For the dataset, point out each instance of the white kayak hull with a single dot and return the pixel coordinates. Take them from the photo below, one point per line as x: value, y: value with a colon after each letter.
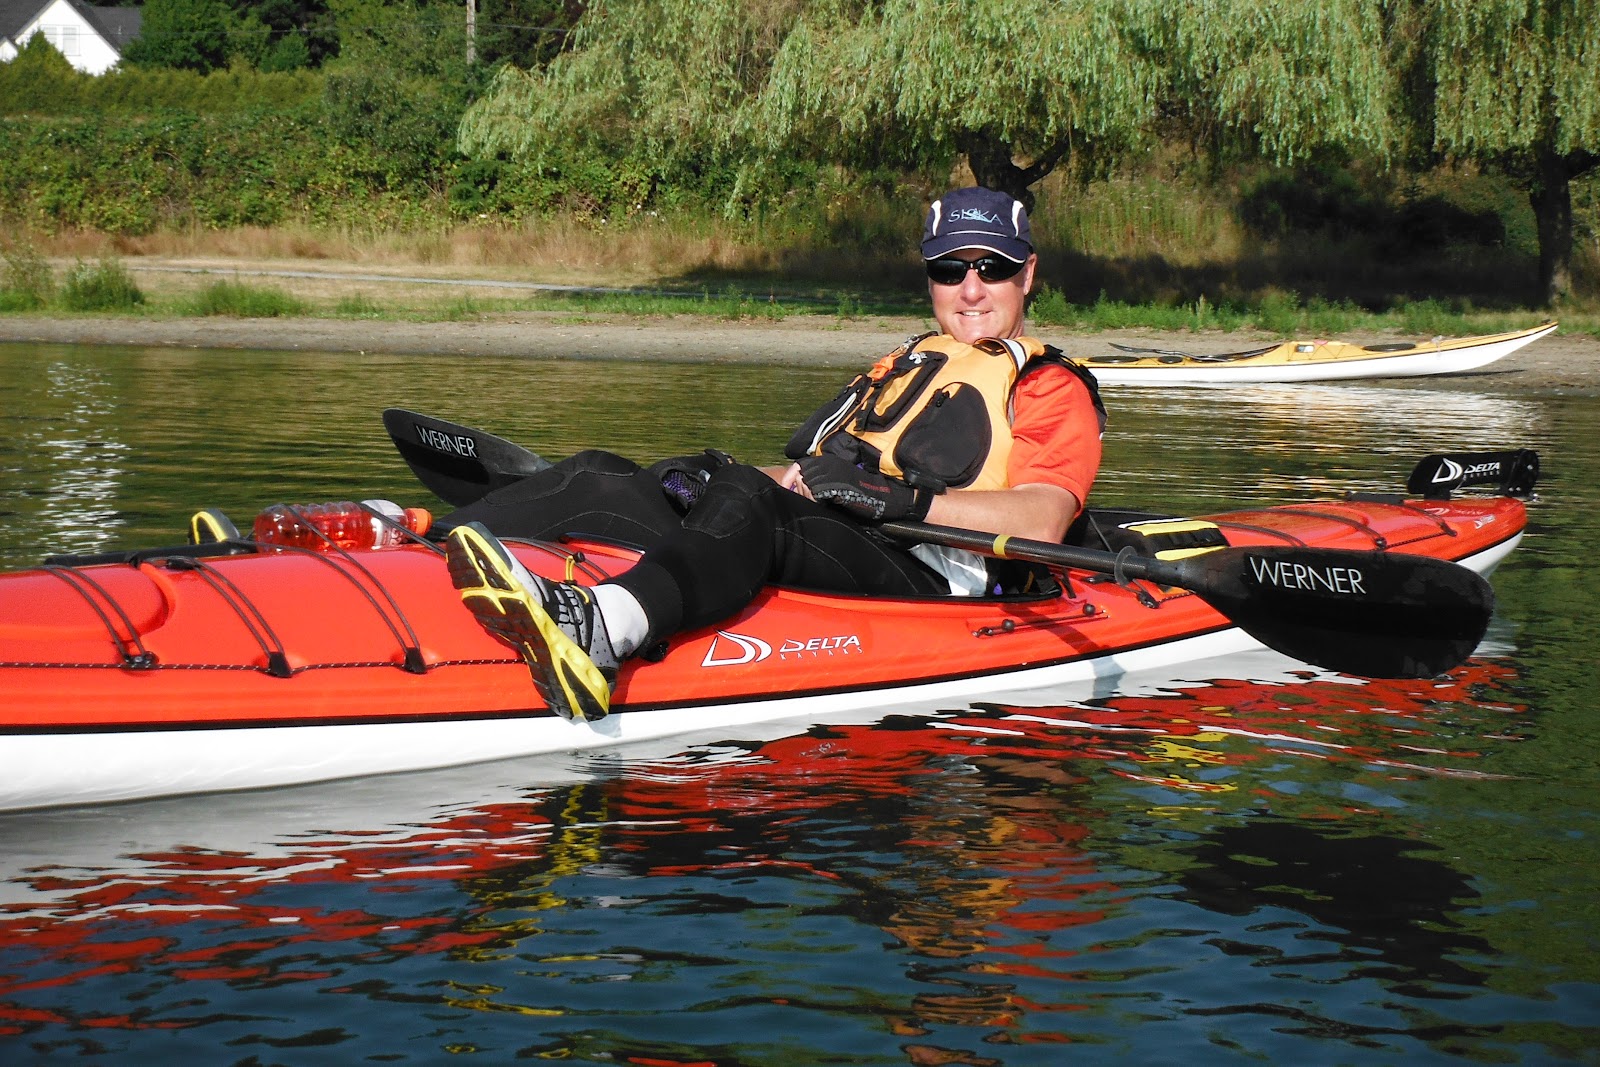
x: 1309, y: 361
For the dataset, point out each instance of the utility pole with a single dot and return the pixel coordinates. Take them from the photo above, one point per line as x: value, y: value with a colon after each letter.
x: 472, y: 32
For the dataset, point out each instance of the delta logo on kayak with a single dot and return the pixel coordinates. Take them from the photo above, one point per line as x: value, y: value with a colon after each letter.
x: 1451, y: 471
x: 729, y: 649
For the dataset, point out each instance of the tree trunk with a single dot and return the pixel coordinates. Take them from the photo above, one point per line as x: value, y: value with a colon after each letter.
x: 994, y: 167
x: 1551, y: 198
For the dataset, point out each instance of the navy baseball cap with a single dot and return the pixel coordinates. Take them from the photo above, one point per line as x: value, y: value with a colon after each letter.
x: 977, y: 218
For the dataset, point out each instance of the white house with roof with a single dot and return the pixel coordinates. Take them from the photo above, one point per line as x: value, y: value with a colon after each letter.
x: 92, y: 38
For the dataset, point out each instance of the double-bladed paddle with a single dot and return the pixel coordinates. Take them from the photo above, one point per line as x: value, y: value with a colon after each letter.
x: 1376, y: 614
x: 457, y: 463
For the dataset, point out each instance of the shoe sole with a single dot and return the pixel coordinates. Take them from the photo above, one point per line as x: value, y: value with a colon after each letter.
x: 210, y: 526
x: 563, y: 673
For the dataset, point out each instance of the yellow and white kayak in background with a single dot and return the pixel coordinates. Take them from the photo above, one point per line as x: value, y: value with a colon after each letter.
x: 1307, y: 361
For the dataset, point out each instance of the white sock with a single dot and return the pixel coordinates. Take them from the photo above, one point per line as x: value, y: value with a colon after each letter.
x: 624, y: 617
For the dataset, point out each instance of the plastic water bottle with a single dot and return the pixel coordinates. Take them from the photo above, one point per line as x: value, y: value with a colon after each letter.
x: 346, y: 524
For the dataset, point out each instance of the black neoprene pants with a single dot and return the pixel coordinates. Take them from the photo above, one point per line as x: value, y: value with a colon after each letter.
x: 744, y: 532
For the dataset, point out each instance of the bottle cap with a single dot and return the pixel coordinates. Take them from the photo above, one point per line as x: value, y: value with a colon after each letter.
x: 387, y: 508
x: 418, y: 520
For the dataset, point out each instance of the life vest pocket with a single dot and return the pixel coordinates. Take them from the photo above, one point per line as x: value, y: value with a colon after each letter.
x: 807, y: 440
x: 948, y: 440
x: 891, y: 396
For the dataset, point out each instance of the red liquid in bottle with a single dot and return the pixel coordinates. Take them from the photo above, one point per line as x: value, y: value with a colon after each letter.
x: 343, y: 523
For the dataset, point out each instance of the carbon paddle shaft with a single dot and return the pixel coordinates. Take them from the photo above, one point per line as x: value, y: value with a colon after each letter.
x: 1374, y: 614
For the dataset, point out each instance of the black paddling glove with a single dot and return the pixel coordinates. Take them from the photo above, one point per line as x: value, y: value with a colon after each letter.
x: 866, y: 495
x: 684, y: 478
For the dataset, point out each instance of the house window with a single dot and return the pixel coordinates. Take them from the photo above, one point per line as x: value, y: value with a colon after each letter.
x: 64, y: 38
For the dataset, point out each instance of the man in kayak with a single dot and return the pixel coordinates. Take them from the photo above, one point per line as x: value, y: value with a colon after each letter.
x: 978, y: 427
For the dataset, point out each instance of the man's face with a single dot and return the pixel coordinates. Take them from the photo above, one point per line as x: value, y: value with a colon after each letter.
x: 974, y: 309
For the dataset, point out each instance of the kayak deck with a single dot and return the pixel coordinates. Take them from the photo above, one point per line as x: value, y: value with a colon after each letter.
x: 298, y: 636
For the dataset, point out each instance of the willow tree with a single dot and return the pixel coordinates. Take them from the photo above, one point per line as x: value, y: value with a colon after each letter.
x: 1509, y: 85
x: 664, y: 81
x: 1515, y: 85
x: 1283, y: 80
x: 1016, y: 86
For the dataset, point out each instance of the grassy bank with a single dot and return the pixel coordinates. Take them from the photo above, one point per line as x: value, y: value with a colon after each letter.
x: 1162, y: 248
x: 110, y: 286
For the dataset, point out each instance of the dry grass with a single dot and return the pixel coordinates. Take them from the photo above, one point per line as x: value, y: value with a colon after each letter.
x: 1149, y: 238
x: 645, y: 250
x: 563, y: 250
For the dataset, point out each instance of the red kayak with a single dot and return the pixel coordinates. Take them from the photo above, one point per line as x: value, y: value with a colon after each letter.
x: 236, y: 665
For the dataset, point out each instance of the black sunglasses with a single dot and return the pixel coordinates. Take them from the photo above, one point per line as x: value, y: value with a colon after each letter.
x: 951, y: 270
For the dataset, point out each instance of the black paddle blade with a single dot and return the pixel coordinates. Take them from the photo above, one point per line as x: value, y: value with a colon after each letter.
x: 1374, y: 614
x: 457, y: 463
x: 1513, y: 473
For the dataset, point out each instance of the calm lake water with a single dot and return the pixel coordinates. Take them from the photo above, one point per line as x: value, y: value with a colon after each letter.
x: 1253, y: 863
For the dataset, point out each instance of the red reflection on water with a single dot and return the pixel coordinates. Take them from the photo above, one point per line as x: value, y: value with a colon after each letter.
x: 987, y: 862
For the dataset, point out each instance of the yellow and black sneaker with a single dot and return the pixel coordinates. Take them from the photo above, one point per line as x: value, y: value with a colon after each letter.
x: 553, y: 625
x: 209, y: 526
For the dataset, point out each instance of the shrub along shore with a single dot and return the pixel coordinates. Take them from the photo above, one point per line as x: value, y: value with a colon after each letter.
x: 161, y: 290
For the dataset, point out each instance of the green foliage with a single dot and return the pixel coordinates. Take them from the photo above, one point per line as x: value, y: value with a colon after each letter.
x: 358, y: 306
x: 1276, y: 313
x: 185, y: 34
x: 645, y: 78
x: 1512, y: 76
x: 1049, y: 307
x: 1428, y: 318
x: 102, y: 286
x: 1139, y: 210
x: 462, y: 307
x: 1513, y: 84
x: 245, y: 301
x: 915, y: 81
x: 206, y: 35
x: 287, y: 53
x: 815, y: 126
x: 186, y: 170
x: 401, y: 84
x: 1284, y: 79
x: 41, y: 82
x: 654, y: 107
x: 38, y: 78
x: 729, y: 86
x: 138, y: 91
x: 524, y: 33
x: 27, y: 282
x: 1279, y: 313
x: 298, y: 33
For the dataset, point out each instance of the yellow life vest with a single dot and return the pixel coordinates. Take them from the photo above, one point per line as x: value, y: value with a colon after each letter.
x: 936, y: 413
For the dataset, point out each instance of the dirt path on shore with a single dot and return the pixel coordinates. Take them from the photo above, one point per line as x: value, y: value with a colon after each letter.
x: 1556, y: 364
